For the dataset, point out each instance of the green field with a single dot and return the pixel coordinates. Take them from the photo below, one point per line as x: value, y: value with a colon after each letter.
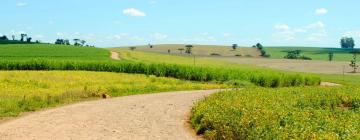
x: 51, y: 52
x: 312, y: 52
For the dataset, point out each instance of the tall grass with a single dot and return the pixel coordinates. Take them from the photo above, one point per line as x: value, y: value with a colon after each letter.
x: 282, y: 113
x: 22, y: 91
x: 260, y: 78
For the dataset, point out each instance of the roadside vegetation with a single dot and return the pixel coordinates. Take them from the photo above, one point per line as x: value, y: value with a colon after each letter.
x: 23, y: 91
x: 282, y: 113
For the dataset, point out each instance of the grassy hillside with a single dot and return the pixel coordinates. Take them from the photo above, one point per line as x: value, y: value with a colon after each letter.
x: 51, y: 52
x: 22, y: 91
x: 202, y: 50
x: 312, y: 52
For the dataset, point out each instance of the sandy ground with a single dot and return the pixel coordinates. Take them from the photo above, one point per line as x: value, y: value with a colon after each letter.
x: 114, y: 55
x: 312, y: 66
x: 152, y: 116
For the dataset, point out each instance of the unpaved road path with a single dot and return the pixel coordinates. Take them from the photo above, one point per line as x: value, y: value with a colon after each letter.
x: 152, y: 116
x: 114, y: 55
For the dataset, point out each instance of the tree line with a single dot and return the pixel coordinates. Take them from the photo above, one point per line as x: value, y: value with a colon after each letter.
x: 24, y: 39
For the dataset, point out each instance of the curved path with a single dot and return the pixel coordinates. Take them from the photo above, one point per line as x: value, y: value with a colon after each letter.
x: 151, y: 116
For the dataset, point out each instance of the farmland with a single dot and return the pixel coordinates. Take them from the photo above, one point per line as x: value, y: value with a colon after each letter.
x: 52, y: 52
x: 312, y: 52
x: 23, y: 91
x: 285, y: 113
x: 201, y: 50
x: 270, y: 92
x: 262, y: 113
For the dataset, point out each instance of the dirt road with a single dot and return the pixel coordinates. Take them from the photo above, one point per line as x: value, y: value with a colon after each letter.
x: 114, y: 55
x: 152, y: 116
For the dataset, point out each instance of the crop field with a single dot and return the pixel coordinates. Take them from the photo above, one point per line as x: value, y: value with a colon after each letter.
x: 201, y: 50
x: 283, y: 113
x: 312, y: 52
x: 23, y: 91
x: 306, y: 66
x: 51, y: 52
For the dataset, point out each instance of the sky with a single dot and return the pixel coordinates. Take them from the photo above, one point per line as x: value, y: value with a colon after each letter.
x: 112, y: 23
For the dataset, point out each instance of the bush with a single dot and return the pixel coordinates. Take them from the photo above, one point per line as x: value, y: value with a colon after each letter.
x: 215, y: 54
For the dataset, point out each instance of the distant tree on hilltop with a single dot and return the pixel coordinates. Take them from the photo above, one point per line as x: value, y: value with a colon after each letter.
x: 347, y: 43
x: 234, y: 46
x: 4, y: 38
x: 181, y: 50
x: 23, y: 36
x: 189, y: 49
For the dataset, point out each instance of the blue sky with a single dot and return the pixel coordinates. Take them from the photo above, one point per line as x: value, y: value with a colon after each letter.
x: 109, y: 23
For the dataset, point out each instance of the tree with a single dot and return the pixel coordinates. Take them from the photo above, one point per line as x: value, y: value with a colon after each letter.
x: 234, y: 46
x: 188, y: 49
x: 347, y: 43
x: 77, y: 42
x: 28, y: 40
x: 59, y: 41
x: 13, y: 37
x: 132, y: 48
x: 181, y: 50
x: 259, y: 46
x: 331, y: 56
x: 4, y: 38
x: 353, y: 63
x: 169, y: 51
x: 23, y: 36
x: 82, y: 42
x: 150, y: 46
x: 66, y: 42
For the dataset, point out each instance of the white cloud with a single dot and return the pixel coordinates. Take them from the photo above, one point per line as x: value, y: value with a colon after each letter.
x: 317, y: 37
x: 316, y: 25
x: 21, y: 4
x: 286, y: 33
x: 321, y: 11
x: 159, y: 36
x: 226, y: 34
x: 282, y: 27
x: 133, y: 12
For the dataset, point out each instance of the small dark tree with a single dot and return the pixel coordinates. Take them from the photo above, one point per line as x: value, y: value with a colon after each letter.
x: 234, y: 46
x: 259, y: 46
x: 66, y: 42
x: 169, y: 51
x: 59, y: 41
x: 132, y: 48
x: 28, y: 40
x: 181, y: 50
x: 353, y: 63
x: 347, y: 43
x: 82, y: 42
x: 189, y: 49
x: 77, y: 42
x: 23, y: 36
x: 150, y: 46
x: 331, y: 56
